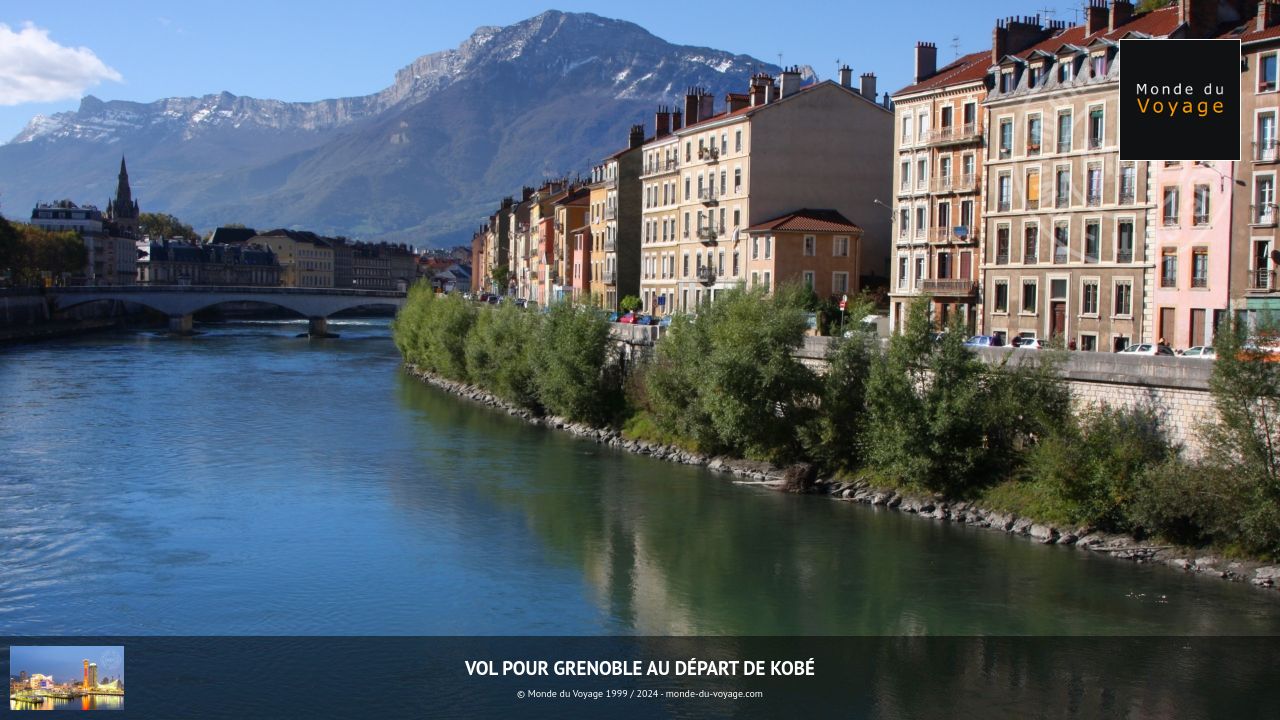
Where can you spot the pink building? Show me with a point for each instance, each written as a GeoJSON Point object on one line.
{"type": "Point", "coordinates": [1191, 250]}
{"type": "Point", "coordinates": [581, 267]}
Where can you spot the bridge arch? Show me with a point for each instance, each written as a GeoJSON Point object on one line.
{"type": "Point", "coordinates": [180, 303]}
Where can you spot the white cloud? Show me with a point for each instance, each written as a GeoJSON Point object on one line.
{"type": "Point", "coordinates": [34, 68]}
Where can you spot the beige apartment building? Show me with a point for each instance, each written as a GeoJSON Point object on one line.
{"type": "Point", "coordinates": [937, 179]}
{"type": "Point", "coordinates": [594, 274]}
{"type": "Point", "coordinates": [1255, 288]}
{"type": "Point", "coordinates": [1069, 241]}
{"type": "Point", "coordinates": [659, 179]}
{"type": "Point", "coordinates": [305, 259]}
{"type": "Point", "coordinates": [774, 150]}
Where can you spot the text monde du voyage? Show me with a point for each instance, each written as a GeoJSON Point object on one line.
{"type": "Point", "coordinates": [1180, 99]}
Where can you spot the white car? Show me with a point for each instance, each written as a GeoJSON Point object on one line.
{"type": "Point", "coordinates": [1029, 343]}
{"type": "Point", "coordinates": [1205, 352]}
{"type": "Point", "coordinates": [1148, 349]}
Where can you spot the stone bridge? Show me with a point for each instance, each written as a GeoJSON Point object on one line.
{"type": "Point", "coordinates": [180, 302]}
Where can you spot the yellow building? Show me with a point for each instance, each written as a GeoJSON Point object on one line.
{"type": "Point", "coordinates": [305, 259]}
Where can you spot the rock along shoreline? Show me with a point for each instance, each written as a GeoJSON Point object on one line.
{"type": "Point", "coordinates": [800, 479]}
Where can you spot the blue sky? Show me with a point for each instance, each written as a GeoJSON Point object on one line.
{"type": "Point", "coordinates": [51, 54]}
{"type": "Point", "coordinates": [67, 662]}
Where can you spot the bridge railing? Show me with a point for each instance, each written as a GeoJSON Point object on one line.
{"type": "Point", "coordinates": [236, 289]}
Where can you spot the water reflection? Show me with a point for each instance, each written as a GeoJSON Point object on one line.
{"type": "Point", "coordinates": [246, 481]}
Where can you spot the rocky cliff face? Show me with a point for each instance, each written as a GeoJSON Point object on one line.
{"type": "Point", "coordinates": [420, 161]}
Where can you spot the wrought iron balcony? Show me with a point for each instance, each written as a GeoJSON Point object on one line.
{"type": "Point", "coordinates": [1265, 152]}
{"type": "Point", "coordinates": [1263, 214]}
{"type": "Point", "coordinates": [953, 135]}
{"type": "Point", "coordinates": [1124, 255]}
{"type": "Point", "coordinates": [709, 233]}
{"type": "Point", "coordinates": [710, 153]}
{"type": "Point", "coordinates": [1261, 279]}
{"type": "Point", "coordinates": [609, 277]}
{"type": "Point", "coordinates": [706, 274]}
{"type": "Point", "coordinates": [708, 196]}
{"type": "Point", "coordinates": [610, 212]}
{"type": "Point", "coordinates": [610, 244]}
{"type": "Point", "coordinates": [953, 288]}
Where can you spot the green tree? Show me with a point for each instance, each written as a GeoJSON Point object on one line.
{"type": "Point", "coordinates": [836, 437]}
{"type": "Point", "coordinates": [927, 403]}
{"type": "Point", "coordinates": [569, 364]}
{"type": "Point", "coordinates": [1095, 463]}
{"type": "Point", "coordinates": [446, 322]}
{"type": "Point", "coordinates": [501, 276]}
{"type": "Point", "coordinates": [729, 380]}
{"type": "Point", "coordinates": [163, 225]}
{"type": "Point", "coordinates": [630, 303]}
{"type": "Point", "coordinates": [499, 353]}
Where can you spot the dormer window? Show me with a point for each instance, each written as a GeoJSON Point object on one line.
{"type": "Point", "coordinates": [1064, 70]}
{"type": "Point", "coordinates": [1099, 63]}
{"type": "Point", "coordinates": [1006, 81]}
{"type": "Point", "coordinates": [1034, 73]}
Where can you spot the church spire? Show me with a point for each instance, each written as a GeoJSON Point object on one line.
{"type": "Point", "coordinates": [123, 210]}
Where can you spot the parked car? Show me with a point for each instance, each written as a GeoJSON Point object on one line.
{"type": "Point", "coordinates": [628, 319]}
{"type": "Point", "coordinates": [1026, 343]}
{"type": "Point", "coordinates": [984, 341]}
{"type": "Point", "coordinates": [664, 321]}
{"type": "Point", "coordinates": [1148, 349]}
{"type": "Point", "coordinates": [645, 320]}
{"type": "Point", "coordinates": [614, 317]}
{"type": "Point", "coordinates": [1205, 352]}
{"type": "Point", "coordinates": [494, 299]}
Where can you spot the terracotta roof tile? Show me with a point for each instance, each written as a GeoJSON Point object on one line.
{"type": "Point", "coordinates": [965, 69]}
{"type": "Point", "coordinates": [807, 220]}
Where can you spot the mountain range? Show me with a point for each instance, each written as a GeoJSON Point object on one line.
{"type": "Point", "coordinates": [421, 161]}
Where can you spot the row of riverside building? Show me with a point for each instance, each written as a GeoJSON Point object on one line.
{"type": "Point", "coordinates": [775, 183]}
{"type": "Point", "coordinates": [1015, 212]}
{"type": "Point", "coordinates": [119, 254]}
{"type": "Point", "coordinates": [992, 183]}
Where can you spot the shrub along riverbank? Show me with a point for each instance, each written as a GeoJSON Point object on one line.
{"type": "Point", "coordinates": [922, 416]}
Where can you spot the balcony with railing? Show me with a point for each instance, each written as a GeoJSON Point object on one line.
{"type": "Point", "coordinates": [1093, 200]}
{"type": "Point", "coordinates": [706, 274]}
{"type": "Point", "coordinates": [1003, 205]}
{"type": "Point", "coordinates": [950, 288]}
{"type": "Point", "coordinates": [1061, 255]}
{"type": "Point", "coordinates": [710, 153]}
{"type": "Point", "coordinates": [610, 244]}
{"type": "Point", "coordinates": [1095, 142]}
{"type": "Point", "coordinates": [709, 233]}
{"type": "Point", "coordinates": [1124, 255]}
{"type": "Point", "coordinates": [609, 277]}
{"type": "Point", "coordinates": [953, 134]}
{"type": "Point", "coordinates": [1265, 152]}
{"type": "Point", "coordinates": [1199, 281]}
{"type": "Point", "coordinates": [708, 196]}
{"type": "Point", "coordinates": [1030, 255]}
{"type": "Point", "coordinates": [1126, 196]}
{"type": "Point", "coordinates": [610, 212]}
{"type": "Point", "coordinates": [1064, 146]}
{"type": "Point", "coordinates": [1002, 258]}
{"type": "Point", "coordinates": [1262, 214]}
{"type": "Point", "coordinates": [1061, 201]}
{"type": "Point", "coordinates": [1261, 280]}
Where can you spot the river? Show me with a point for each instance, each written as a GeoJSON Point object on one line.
{"type": "Point", "coordinates": [249, 482]}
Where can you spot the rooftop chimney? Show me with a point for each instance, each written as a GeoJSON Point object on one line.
{"type": "Point", "coordinates": [759, 82]}
{"type": "Point", "coordinates": [1200, 17]}
{"type": "Point", "coordinates": [662, 122]}
{"type": "Point", "coordinates": [790, 81]}
{"type": "Point", "coordinates": [692, 104]}
{"type": "Point", "coordinates": [1268, 15]}
{"type": "Point", "coordinates": [736, 101]}
{"type": "Point", "coordinates": [770, 92]}
{"type": "Point", "coordinates": [1095, 16]}
{"type": "Point", "coordinates": [1015, 34]}
{"type": "Point", "coordinates": [926, 60]}
{"type": "Point", "coordinates": [1121, 11]}
{"type": "Point", "coordinates": [846, 76]}
{"type": "Point", "coordinates": [868, 88]}
{"type": "Point", "coordinates": [677, 120]}
{"type": "Point", "coordinates": [636, 138]}
{"type": "Point", "coordinates": [706, 104]}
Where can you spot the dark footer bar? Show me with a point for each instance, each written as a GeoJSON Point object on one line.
{"type": "Point", "coordinates": [656, 677]}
